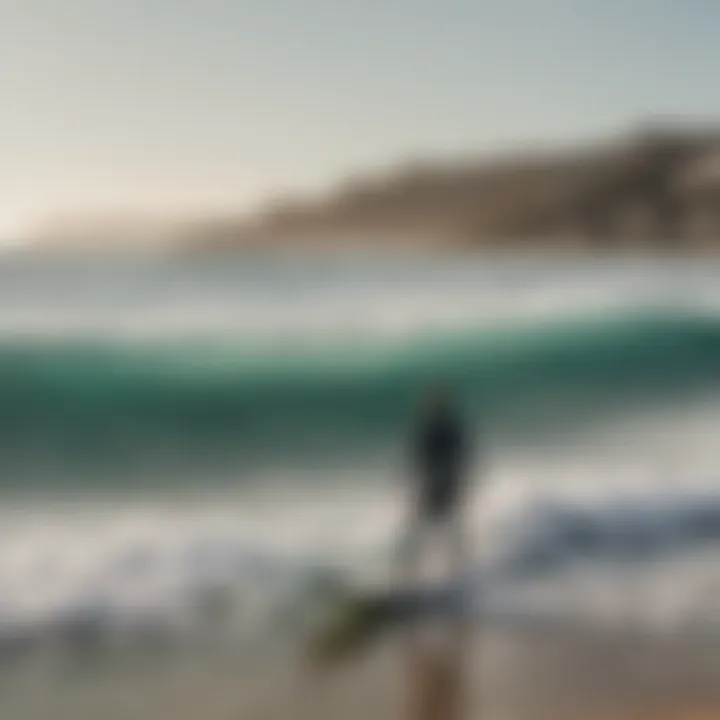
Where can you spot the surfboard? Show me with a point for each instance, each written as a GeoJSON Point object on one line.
{"type": "Point", "coordinates": [358, 619]}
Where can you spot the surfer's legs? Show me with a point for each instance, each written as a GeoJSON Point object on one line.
{"type": "Point", "coordinates": [436, 650]}
{"type": "Point", "coordinates": [456, 545]}
{"type": "Point", "coordinates": [431, 541]}
{"type": "Point", "coordinates": [410, 553]}
{"type": "Point", "coordinates": [437, 675]}
{"type": "Point", "coordinates": [436, 691]}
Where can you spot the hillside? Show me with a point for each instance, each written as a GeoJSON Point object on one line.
{"type": "Point", "coordinates": [658, 188]}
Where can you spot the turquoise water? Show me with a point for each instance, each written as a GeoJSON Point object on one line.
{"type": "Point", "coordinates": [85, 406]}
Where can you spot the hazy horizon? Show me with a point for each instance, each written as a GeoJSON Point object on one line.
{"type": "Point", "coordinates": [179, 108]}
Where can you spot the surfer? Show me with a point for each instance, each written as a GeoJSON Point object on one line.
{"type": "Point", "coordinates": [440, 457]}
{"type": "Point", "coordinates": [436, 663]}
{"type": "Point", "coordinates": [437, 629]}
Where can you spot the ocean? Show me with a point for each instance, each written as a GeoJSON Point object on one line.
{"type": "Point", "coordinates": [193, 447]}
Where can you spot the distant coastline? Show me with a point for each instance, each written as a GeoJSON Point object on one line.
{"type": "Point", "coordinates": [657, 190]}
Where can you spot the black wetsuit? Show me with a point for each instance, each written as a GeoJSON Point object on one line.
{"type": "Point", "coordinates": [441, 450]}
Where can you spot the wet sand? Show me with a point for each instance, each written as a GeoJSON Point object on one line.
{"type": "Point", "coordinates": [552, 675]}
{"type": "Point", "coordinates": [515, 675]}
{"type": "Point", "coordinates": [549, 674]}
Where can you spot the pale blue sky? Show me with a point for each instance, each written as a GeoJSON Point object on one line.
{"type": "Point", "coordinates": [192, 105]}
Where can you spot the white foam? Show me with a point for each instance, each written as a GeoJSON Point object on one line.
{"type": "Point", "coordinates": [270, 300]}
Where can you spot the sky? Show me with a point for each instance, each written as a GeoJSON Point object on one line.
{"type": "Point", "coordinates": [205, 106]}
